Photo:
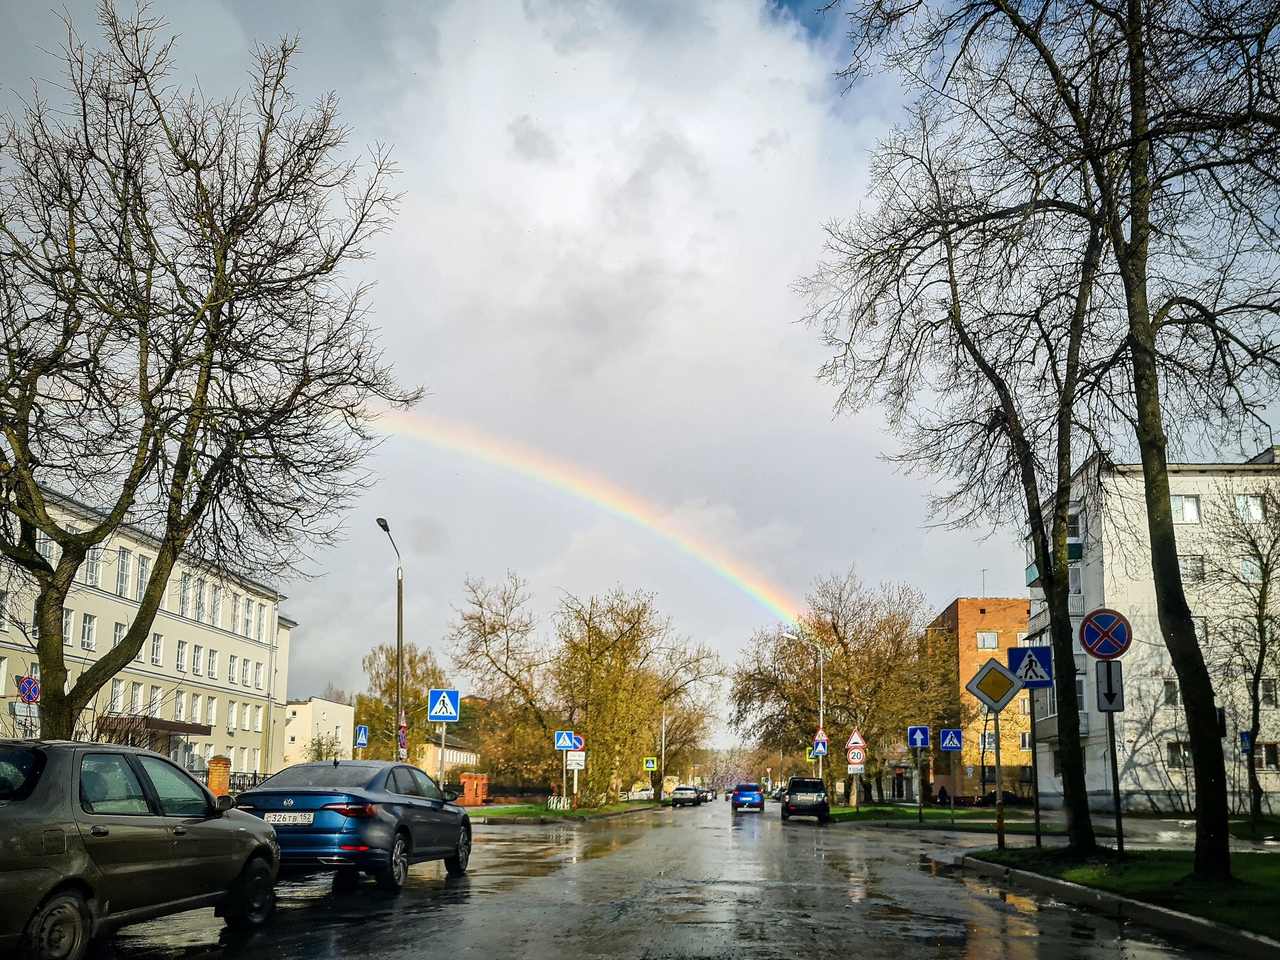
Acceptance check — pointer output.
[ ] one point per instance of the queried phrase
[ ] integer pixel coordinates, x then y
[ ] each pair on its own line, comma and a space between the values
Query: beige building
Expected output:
459, 757
210, 680
1109, 550
327, 724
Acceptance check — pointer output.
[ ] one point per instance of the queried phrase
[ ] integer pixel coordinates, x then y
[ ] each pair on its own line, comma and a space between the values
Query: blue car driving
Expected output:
361, 816
747, 795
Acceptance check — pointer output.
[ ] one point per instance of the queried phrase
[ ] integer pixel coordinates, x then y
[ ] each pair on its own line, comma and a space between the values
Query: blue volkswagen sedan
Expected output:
361, 816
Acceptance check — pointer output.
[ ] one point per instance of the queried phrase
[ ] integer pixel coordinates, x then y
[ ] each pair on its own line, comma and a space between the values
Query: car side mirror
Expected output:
224, 803
450, 796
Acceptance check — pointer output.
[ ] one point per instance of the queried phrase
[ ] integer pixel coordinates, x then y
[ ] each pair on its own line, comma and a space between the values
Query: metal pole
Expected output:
923, 786
999, 789
822, 689
662, 774
1035, 764
443, 727
1115, 781
399, 718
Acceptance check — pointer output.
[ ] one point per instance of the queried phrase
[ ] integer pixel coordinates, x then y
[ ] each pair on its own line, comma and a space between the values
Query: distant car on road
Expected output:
1010, 799
685, 796
645, 793
806, 797
704, 793
95, 836
361, 816
747, 795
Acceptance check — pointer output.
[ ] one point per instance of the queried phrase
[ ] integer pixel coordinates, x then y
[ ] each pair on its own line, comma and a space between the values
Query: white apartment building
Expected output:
1109, 550
331, 725
209, 682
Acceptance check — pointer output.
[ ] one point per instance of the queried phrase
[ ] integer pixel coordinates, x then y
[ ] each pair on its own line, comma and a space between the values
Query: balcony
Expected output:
1040, 620
1075, 551
1047, 727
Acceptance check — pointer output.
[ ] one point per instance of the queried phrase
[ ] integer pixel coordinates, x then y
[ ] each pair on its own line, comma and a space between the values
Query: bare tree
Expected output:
1242, 571
179, 350
1164, 113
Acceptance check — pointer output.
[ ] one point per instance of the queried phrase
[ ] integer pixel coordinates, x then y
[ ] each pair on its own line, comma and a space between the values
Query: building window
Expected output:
184, 595
88, 632
157, 650
44, 546
212, 672
180, 707
117, 635
1250, 570
124, 559
215, 605
1024, 741
117, 696
988, 640
987, 741
66, 626
1075, 581
257, 675
262, 621
1172, 694
293, 739
1186, 508
135, 698
4, 611
197, 660
35, 624
195, 708
232, 662
248, 617
1267, 756
1249, 508
244, 759
1202, 629
93, 567
200, 608
181, 664
137, 657
257, 719
257, 759
235, 611
244, 716
1075, 525
1191, 568
144, 577
244, 672
1267, 693
1022, 639
231, 714
156, 697
1178, 753
211, 711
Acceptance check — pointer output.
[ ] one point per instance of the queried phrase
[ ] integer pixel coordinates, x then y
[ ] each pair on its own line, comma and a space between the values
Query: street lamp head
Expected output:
383, 524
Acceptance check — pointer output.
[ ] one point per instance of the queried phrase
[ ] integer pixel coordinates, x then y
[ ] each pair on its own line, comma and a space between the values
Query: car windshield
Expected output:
813, 786
19, 770
320, 775
747, 788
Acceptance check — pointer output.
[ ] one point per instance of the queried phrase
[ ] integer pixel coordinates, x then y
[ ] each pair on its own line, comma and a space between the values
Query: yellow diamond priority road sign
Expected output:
994, 684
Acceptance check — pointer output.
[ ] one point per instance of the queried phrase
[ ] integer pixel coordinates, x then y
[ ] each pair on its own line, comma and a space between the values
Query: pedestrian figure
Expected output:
942, 796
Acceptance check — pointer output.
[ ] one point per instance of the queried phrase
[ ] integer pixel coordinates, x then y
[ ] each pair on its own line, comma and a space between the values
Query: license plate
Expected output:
806, 798
288, 818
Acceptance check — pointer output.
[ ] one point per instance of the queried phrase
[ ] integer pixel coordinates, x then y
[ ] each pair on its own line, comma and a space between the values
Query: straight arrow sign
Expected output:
1110, 676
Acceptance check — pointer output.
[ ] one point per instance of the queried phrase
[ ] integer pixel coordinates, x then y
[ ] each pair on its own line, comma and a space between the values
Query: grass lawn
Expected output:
540, 810
1243, 830
1162, 877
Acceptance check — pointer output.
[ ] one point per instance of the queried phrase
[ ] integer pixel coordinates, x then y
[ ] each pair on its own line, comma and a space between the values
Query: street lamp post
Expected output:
822, 659
401, 752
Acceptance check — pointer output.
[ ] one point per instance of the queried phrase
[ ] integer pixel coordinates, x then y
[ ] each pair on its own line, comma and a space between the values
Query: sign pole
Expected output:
920, 792
564, 777
1115, 779
999, 790
1035, 764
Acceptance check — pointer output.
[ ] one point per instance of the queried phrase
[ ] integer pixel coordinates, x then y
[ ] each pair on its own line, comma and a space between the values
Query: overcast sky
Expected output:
605, 206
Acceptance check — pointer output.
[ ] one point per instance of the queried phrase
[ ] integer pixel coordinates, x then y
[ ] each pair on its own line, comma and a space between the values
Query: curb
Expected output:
533, 821
1240, 942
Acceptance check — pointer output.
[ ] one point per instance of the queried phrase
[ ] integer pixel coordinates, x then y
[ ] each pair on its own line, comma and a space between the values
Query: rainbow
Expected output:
591, 488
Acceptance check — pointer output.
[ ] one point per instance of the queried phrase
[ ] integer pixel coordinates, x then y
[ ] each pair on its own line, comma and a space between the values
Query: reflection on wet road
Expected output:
676, 883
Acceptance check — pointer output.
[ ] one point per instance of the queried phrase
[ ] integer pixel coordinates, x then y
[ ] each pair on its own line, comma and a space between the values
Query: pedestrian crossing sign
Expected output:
949, 739
820, 748
1032, 665
564, 739
651, 763
809, 755
443, 706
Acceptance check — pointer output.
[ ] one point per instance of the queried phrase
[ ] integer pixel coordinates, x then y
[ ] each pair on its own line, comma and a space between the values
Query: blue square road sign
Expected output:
917, 737
362, 736
442, 706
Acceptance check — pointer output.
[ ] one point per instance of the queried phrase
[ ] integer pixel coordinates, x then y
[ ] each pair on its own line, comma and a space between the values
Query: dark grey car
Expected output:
94, 836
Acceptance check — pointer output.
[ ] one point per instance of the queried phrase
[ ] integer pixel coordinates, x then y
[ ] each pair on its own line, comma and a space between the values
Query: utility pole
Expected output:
662, 773
401, 728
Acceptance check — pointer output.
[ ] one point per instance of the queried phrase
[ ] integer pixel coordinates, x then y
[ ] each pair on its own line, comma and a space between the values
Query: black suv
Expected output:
94, 836
806, 797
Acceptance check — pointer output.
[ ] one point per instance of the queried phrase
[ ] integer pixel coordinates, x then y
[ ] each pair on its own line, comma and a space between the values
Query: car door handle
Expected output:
98, 831
179, 831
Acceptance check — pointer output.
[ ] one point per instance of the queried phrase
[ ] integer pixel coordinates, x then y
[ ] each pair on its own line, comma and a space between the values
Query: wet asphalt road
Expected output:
697, 882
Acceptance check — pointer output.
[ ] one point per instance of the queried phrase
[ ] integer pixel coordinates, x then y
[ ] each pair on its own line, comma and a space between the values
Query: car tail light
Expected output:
361, 811
354, 849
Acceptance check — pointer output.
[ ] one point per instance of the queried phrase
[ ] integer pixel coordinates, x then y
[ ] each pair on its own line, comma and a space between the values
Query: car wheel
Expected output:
735, 808
457, 864
59, 929
396, 872
785, 816
252, 896
346, 880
